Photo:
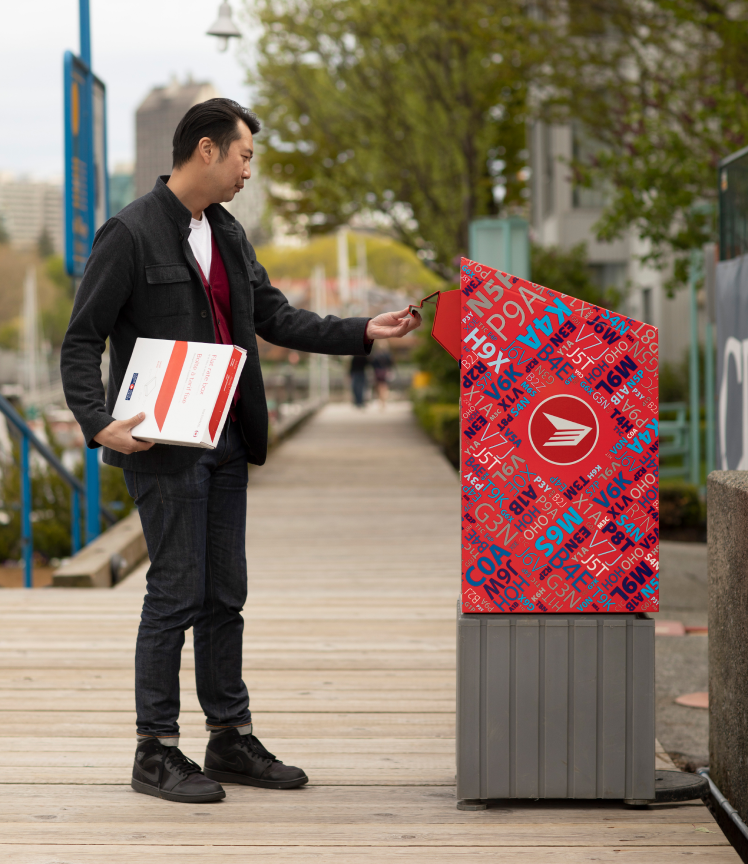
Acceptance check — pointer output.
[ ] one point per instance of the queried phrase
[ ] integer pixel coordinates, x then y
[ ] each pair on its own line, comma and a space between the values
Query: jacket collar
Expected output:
219, 216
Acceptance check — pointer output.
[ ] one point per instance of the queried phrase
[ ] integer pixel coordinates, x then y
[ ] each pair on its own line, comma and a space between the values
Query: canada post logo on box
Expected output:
131, 387
560, 441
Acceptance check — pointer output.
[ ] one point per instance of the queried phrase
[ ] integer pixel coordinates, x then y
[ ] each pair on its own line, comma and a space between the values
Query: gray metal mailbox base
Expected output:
555, 706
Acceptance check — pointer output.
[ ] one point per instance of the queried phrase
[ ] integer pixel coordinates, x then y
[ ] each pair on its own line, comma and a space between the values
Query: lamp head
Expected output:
224, 27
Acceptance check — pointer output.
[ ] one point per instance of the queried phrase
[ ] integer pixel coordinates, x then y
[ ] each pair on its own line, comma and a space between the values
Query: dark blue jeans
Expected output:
194, 523
358, 382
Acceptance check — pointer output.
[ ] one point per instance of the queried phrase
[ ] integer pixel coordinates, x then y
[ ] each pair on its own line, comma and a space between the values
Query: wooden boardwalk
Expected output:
349, 656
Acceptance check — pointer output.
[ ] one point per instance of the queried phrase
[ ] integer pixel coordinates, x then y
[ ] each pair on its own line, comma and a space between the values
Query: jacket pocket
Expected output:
168, 282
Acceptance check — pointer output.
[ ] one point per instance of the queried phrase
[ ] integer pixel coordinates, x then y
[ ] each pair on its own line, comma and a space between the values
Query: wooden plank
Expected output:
115, 724
304, 744
129, 854
424, 680
266, 659
320, 805
75, 776
254, 833
325, 701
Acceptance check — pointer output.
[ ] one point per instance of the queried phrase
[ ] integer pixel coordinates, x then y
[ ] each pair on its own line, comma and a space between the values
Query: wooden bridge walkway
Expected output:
349, 656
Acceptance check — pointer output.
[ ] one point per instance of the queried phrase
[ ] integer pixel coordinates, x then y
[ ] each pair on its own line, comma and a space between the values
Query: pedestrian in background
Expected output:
382, 363
358, 379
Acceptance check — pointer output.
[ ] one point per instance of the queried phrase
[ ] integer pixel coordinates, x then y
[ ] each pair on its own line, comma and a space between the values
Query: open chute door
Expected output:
446, 329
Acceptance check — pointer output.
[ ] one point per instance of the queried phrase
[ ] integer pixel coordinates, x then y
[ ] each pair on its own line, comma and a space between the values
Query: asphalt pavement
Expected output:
682, 661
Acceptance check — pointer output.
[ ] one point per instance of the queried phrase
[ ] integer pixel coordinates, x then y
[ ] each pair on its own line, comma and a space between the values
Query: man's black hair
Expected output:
216, 119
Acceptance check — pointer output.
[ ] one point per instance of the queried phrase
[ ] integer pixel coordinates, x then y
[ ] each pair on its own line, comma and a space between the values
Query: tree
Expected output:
45, 246
567, 271
662, 86
409, 113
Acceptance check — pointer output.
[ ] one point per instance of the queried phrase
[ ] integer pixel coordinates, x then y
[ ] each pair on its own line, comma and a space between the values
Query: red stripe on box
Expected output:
228, 380
169, 384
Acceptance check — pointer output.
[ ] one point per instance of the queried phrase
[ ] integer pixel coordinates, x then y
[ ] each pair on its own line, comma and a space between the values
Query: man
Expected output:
176, 265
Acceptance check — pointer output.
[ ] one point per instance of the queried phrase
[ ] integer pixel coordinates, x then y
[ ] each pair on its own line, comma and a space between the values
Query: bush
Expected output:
441, 422
567, 271
682, 515
51, 505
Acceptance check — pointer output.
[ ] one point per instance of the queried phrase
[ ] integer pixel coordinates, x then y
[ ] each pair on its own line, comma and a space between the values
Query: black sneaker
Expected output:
234, 758
166, 772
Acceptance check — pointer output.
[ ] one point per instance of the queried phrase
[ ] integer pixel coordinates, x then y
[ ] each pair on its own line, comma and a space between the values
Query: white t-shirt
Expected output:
200, 237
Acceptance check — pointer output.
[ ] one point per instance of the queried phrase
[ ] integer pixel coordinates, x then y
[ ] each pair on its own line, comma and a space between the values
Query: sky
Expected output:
135, 45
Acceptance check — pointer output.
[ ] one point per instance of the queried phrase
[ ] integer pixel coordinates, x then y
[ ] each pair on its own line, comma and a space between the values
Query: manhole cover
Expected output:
679, 786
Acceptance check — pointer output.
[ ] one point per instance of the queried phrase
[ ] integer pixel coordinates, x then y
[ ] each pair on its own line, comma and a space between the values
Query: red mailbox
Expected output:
559, 443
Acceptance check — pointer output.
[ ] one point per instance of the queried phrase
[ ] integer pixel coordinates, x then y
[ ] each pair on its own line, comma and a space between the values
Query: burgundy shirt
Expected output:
219, 294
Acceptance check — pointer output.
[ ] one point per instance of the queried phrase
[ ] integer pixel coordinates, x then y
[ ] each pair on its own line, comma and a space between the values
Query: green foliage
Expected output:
113, 491
662, 87
680, 506
51, 506
4, 236
56, 315
10, 337
675, 378
673, 382
389, 263
441, 422
54, 268
413, 112
436, 405
567, 271
44, 246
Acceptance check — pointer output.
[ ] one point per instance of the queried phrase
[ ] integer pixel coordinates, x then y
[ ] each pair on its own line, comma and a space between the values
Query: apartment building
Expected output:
564, 214
28, 209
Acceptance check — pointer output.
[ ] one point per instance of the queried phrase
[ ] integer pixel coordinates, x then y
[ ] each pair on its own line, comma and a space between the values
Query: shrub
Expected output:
681, 509
441, 422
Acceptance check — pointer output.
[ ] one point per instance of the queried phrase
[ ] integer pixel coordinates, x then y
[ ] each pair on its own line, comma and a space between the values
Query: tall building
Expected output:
564, 214
155, 121
249, 207
121, 187
29, 209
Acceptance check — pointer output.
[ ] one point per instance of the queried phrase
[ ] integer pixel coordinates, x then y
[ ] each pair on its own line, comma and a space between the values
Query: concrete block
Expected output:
727, 541
92, 566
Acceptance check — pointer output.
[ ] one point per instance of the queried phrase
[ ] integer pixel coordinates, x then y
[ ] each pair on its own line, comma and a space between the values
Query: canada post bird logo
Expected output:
563, 429
568, 434
131, 387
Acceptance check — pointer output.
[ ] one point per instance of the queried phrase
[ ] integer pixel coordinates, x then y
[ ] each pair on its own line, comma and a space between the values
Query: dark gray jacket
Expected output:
142, 280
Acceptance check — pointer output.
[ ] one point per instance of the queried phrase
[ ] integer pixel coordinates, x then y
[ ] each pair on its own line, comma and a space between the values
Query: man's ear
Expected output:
205, 149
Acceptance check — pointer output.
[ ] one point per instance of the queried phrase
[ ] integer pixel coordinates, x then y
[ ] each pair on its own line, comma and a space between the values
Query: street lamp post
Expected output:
223, 27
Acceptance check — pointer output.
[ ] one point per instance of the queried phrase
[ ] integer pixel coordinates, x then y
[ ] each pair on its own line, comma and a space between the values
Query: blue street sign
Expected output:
86, 176
86, 194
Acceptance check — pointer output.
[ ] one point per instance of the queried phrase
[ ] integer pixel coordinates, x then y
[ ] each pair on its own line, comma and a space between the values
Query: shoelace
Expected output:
179, 763
253, 746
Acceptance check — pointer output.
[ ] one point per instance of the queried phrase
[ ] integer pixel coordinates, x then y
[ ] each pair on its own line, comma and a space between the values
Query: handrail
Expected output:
78, 489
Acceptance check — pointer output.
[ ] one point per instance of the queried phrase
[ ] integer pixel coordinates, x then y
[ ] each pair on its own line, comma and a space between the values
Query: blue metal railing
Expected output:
78, 490
674, 439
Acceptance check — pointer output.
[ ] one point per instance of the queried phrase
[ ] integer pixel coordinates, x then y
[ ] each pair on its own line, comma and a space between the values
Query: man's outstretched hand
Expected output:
118, 436
392, 325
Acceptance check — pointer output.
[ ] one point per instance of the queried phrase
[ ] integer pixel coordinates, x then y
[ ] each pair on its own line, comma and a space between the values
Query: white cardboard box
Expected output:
185, 390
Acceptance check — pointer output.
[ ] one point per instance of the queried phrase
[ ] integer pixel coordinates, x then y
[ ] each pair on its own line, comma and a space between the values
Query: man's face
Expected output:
228, 174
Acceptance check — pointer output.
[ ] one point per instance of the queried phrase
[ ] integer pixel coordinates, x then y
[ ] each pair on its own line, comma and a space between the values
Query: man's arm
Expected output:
106, 286
280, 323
299, 329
